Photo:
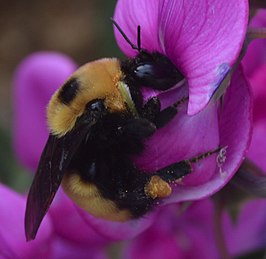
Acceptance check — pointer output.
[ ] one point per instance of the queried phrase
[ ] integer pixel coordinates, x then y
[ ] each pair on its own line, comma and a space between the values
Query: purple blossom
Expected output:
35, 80
199, 38
202, 38
254, 64
256, 54
51, 243
258, 143
191, 233
12, 237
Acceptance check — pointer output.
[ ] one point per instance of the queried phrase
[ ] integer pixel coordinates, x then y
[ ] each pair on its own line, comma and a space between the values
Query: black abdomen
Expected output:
104, 160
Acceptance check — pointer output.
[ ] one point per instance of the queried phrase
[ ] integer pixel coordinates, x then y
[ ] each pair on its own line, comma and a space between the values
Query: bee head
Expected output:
100, 79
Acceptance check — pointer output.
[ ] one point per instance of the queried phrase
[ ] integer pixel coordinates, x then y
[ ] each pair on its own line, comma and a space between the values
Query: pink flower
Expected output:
50, 243
203, 39
254, 64
192, 233
176, 234
256, 54
257, 148
33, 88
12, 236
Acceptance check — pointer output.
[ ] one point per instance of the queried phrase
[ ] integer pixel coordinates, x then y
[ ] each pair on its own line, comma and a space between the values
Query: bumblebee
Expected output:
97, 121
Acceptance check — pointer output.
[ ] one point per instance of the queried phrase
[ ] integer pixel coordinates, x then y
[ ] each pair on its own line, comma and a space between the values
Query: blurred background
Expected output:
81, 29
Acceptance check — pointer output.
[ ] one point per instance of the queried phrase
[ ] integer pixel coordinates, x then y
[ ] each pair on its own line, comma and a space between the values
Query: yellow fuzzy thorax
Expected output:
97, 80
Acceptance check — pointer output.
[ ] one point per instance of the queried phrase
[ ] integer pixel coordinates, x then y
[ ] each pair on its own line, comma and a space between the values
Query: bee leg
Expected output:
175, 171
151, 109
158, 185
168, 113
180, 169
138, 128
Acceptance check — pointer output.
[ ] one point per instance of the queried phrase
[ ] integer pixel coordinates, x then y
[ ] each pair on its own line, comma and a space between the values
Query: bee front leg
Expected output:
168, 113
152, 111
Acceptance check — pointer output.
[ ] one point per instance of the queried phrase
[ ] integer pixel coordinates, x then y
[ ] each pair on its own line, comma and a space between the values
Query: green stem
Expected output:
257, 3
218, 230
256, 33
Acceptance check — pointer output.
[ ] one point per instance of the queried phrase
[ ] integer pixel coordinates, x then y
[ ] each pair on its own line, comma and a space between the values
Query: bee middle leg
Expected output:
180, 169
158, 185
152, 111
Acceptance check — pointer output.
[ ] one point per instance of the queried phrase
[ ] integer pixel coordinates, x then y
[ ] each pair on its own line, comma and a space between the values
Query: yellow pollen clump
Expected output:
158, 188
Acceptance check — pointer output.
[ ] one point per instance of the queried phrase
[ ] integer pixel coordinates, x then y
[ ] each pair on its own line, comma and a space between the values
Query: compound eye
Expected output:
158, 73
96, 105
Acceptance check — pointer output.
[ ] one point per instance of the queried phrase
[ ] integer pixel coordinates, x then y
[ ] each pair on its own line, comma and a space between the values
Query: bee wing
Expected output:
55, 159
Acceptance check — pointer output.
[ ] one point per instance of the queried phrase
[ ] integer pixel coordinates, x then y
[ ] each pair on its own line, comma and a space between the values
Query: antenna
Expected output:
133, 46
139, 41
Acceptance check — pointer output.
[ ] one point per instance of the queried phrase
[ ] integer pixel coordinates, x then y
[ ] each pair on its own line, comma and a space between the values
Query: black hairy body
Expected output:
104, 160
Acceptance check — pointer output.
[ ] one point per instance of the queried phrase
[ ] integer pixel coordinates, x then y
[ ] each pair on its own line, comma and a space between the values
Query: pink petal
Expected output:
248, 232
257, 148
35, 80
204, 38
82, 228
12, 235
235, 134
257, 151
73, 228
177, 234
256, 53
258, 83
131, 13
173, 142
115, 231
63, 249
154, 244
189, 233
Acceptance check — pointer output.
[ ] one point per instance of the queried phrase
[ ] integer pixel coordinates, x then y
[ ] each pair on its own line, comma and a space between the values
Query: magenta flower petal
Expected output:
115, 231
191, 233
12, 235
257, 148
258, 82
256, 53
36, 79
73, 228
257, 151
63, 249
173, 142
203, 38
230, 128
248, 232
131, 13
154, 244
177, 235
